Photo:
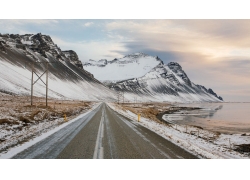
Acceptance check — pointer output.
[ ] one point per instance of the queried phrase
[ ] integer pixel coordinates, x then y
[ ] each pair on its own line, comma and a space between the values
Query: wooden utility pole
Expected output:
47, 73
39, 77
123, 97
118, 94
32, 69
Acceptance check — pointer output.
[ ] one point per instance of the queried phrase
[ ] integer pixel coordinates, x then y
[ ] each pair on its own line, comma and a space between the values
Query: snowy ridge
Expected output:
130, 66
164, 83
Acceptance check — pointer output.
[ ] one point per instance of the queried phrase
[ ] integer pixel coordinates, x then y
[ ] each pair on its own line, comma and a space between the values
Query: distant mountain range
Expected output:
137, 76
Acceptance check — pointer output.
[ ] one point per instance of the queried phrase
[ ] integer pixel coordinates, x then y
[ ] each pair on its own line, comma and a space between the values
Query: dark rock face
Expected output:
213, 93
103, 61
220, 98
21, 46
176, 68
100, 63
73, 57
159, 60
210, 91
114, 60
2, 48
136, 55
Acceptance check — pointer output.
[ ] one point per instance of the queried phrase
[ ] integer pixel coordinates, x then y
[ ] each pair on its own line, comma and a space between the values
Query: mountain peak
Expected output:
174, 64
177, 69
100, 63
38, 43
136, 55
130, 66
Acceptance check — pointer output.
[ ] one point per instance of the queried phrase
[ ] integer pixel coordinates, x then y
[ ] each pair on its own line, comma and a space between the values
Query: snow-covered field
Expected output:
203, 143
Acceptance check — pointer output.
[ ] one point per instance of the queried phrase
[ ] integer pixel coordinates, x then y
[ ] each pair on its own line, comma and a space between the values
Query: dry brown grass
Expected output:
19, 121
17, 109
3, 121
147, 110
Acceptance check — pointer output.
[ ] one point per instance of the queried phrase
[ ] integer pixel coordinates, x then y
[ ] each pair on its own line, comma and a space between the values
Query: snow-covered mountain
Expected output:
67, 78
145, 78
130, 66
165, 83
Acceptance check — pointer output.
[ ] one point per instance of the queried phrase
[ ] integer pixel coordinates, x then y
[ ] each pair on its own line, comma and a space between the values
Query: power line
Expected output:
39, 78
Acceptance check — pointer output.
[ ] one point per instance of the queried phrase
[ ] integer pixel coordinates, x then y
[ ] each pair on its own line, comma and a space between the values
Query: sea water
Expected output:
220, 117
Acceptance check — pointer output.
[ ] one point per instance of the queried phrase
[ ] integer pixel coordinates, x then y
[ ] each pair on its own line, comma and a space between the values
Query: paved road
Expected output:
106, 134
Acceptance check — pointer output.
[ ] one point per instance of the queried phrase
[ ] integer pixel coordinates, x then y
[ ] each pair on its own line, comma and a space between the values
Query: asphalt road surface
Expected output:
104, 134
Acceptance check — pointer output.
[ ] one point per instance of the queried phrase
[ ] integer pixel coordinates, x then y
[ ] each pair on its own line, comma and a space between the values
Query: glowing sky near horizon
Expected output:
213, 53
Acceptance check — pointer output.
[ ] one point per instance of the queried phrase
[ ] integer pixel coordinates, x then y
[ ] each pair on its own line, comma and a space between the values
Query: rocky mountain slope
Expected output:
150, 80
167, 83
67, 78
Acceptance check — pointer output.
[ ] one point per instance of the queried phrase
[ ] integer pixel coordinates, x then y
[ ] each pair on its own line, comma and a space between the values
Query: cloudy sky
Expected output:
213, 53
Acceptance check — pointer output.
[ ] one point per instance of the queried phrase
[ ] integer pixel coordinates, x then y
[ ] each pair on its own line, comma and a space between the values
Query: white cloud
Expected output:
88, 24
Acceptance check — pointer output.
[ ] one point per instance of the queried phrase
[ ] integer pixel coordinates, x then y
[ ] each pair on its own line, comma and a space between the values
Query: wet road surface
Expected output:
106, 134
